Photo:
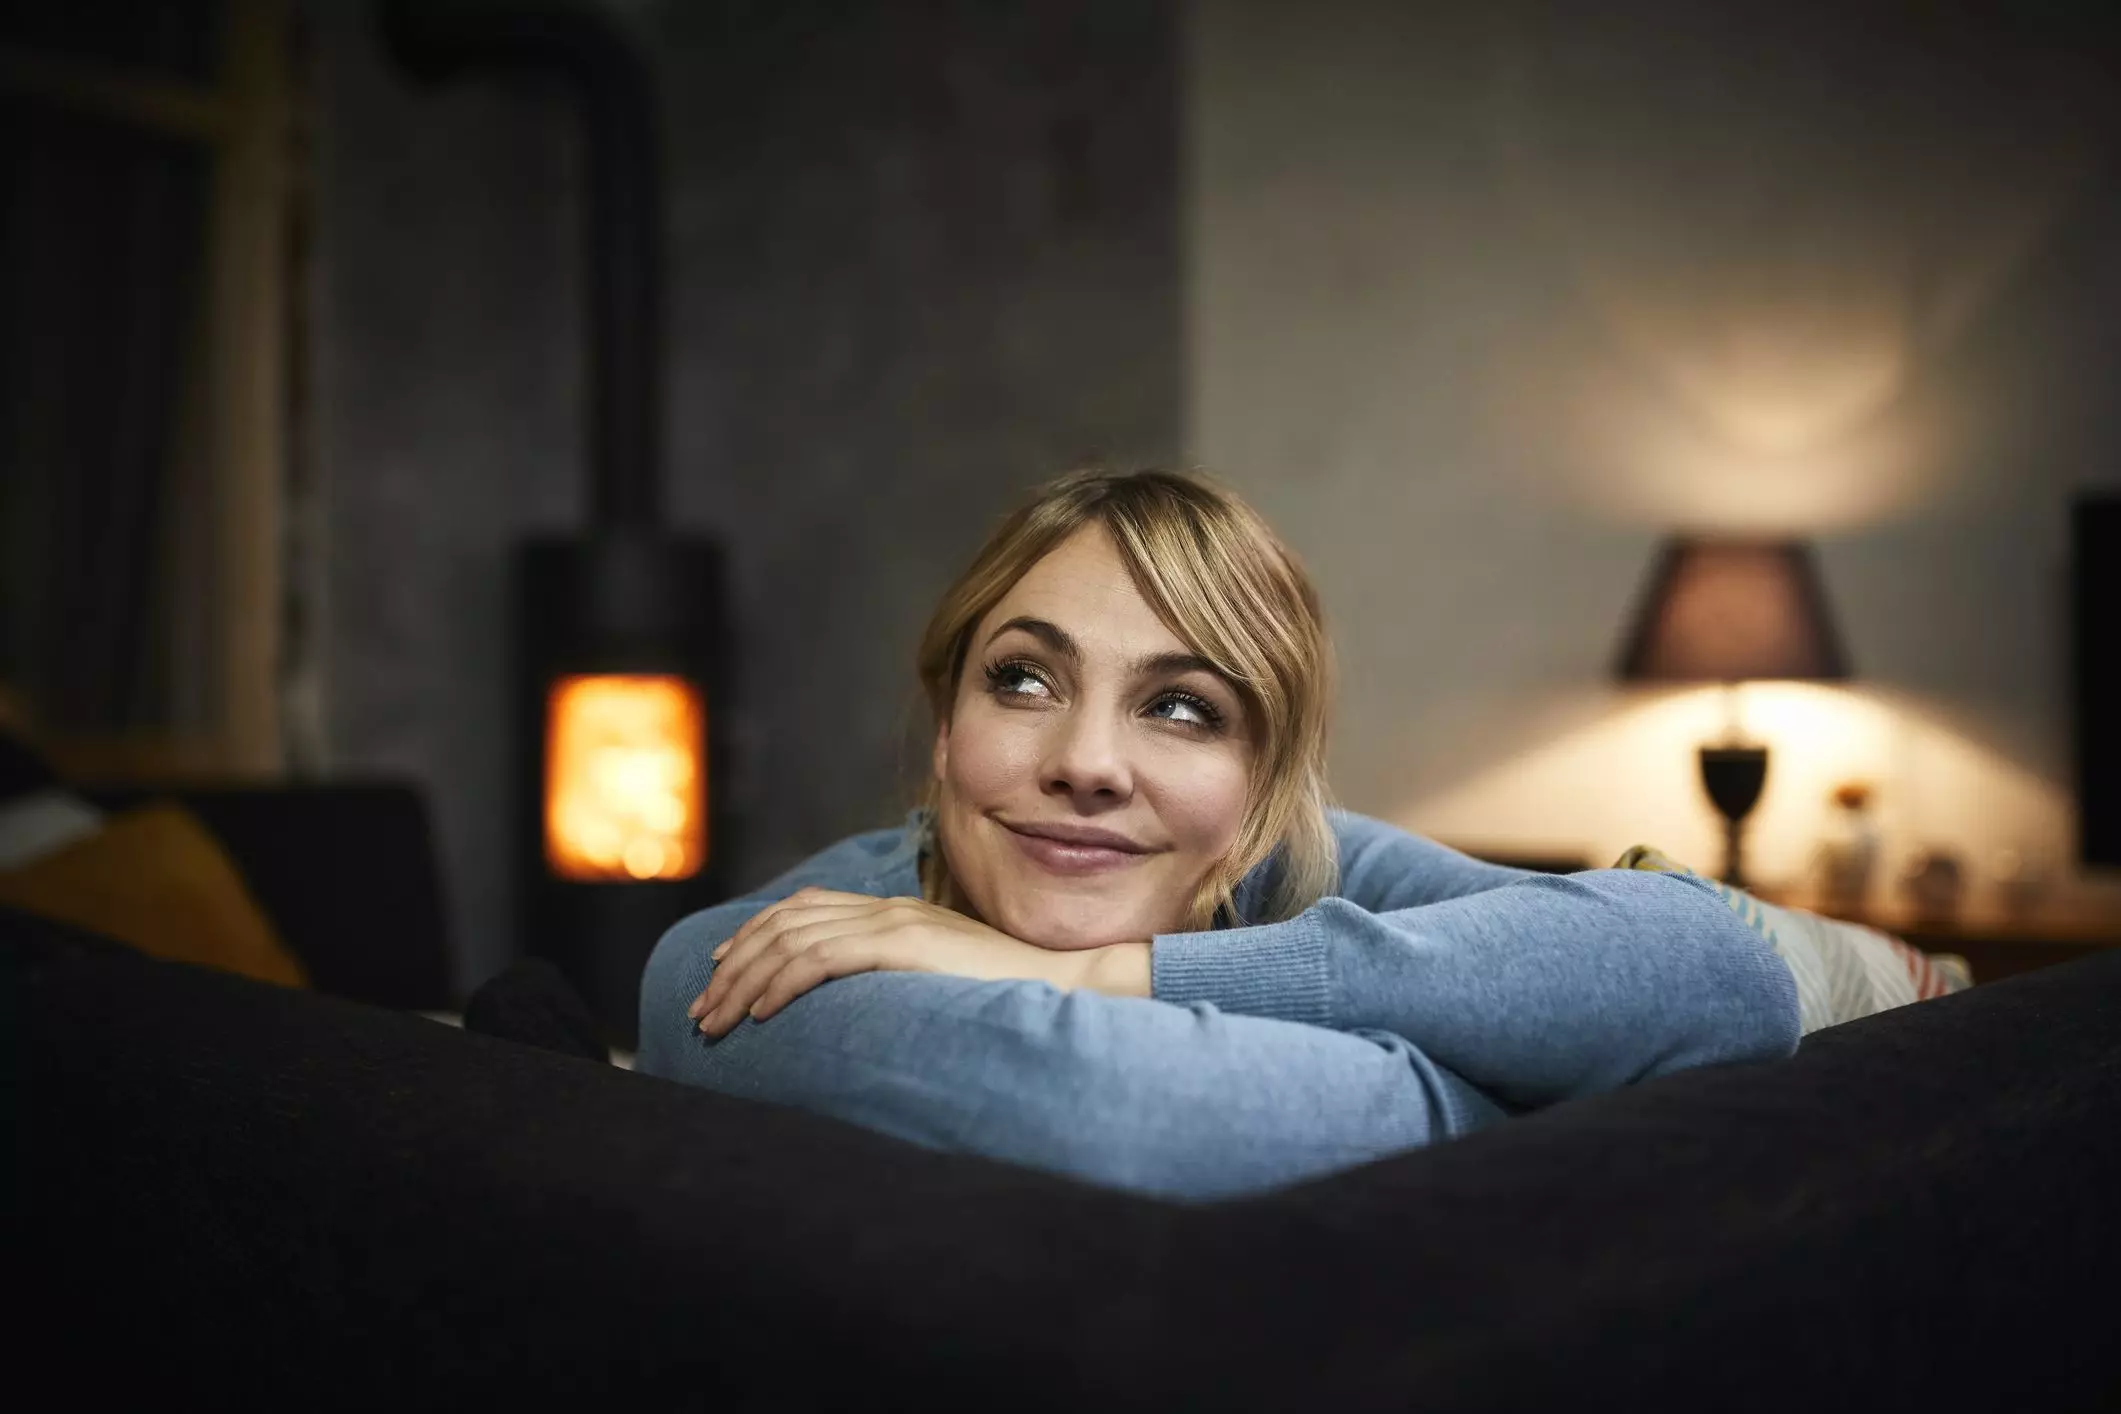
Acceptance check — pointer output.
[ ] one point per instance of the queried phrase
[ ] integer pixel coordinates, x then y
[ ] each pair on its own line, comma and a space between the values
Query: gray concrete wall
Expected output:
1484, 298
919, 258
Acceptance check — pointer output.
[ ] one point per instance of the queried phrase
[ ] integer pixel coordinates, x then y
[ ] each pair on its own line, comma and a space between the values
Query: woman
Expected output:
1125, 939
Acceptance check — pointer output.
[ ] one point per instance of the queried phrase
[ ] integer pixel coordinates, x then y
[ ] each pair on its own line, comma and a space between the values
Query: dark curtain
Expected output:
102, 254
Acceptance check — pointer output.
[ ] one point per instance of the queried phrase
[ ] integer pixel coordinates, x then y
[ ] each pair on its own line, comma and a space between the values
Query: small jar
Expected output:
2021, 880
1847, 855
1933, 882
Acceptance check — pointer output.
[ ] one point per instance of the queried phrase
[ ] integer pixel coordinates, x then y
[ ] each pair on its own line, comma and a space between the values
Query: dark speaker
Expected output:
2095, 630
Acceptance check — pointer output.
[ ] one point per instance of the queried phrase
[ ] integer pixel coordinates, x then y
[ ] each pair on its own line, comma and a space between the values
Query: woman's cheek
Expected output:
992, 758
1204, 805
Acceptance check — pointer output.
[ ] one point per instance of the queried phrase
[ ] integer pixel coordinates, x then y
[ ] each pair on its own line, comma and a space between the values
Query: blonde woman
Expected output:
1124, 937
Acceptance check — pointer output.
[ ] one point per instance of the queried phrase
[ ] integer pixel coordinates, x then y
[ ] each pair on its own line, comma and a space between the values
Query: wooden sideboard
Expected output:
1994, 944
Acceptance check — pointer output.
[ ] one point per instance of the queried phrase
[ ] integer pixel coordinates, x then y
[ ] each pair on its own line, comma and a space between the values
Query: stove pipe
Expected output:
614, 93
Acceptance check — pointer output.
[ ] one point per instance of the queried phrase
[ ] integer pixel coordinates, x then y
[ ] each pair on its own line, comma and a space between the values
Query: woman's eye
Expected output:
1016, 680
1190, 710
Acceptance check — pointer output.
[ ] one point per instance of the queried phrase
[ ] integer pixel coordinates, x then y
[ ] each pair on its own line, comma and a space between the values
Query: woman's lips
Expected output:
1061, 857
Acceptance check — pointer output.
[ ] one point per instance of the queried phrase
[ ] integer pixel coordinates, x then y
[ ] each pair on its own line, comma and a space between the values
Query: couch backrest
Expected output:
261, 1198
345, 870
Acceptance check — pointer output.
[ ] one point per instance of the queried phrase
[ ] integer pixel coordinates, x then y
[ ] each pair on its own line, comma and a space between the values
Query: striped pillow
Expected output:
1843, 970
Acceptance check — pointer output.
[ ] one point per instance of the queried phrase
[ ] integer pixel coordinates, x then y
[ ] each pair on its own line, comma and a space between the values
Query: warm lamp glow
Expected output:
1611, 779
625, 781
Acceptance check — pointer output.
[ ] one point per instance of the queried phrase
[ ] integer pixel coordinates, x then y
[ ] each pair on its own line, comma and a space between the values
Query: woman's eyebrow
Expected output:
1172, 664
1150, 665
1050, 634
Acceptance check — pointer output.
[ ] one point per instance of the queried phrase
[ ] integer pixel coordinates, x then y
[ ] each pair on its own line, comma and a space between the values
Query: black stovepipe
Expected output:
615, 94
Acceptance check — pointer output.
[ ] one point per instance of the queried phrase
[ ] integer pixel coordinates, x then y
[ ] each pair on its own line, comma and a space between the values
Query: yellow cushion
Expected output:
155, 878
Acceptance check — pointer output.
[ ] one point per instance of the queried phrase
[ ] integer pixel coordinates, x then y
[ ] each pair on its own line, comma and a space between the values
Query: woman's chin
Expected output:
1075, 929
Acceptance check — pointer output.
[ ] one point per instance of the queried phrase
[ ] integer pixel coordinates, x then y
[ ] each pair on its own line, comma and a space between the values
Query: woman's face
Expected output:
1093, 768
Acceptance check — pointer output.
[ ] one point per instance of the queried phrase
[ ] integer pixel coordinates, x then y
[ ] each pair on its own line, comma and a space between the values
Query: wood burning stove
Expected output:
620, 633
619, 639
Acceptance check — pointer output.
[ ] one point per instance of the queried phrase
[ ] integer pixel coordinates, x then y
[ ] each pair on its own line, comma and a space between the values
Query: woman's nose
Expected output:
1087, 757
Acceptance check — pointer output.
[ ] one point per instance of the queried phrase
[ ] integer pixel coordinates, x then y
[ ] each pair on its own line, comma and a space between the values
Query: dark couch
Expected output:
230, 1193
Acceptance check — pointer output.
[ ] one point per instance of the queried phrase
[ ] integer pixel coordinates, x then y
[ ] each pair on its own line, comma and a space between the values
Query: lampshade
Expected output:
1731, 610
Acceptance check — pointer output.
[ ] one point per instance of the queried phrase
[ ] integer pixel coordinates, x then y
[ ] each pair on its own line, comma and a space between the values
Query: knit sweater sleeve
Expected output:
1179, 1101
1537, 990
1383, 867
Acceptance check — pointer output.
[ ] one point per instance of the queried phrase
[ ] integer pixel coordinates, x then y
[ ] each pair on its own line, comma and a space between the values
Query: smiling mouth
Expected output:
1069, 850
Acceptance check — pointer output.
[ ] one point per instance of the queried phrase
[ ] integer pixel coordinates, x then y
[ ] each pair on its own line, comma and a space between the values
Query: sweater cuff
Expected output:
1274, 969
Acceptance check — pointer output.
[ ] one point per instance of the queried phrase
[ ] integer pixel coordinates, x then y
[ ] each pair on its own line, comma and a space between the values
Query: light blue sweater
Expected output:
1432, 995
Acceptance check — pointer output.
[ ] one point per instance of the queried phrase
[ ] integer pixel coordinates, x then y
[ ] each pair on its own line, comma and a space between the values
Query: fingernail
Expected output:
694, 1010
754, 1012
716, 955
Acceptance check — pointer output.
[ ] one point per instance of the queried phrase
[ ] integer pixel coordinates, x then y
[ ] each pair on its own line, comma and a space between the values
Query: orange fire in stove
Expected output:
625, 778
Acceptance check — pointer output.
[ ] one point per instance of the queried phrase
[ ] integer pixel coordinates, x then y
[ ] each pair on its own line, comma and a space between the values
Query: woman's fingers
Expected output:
760, 946
760, 931
855, 942
764, 918
799, 901
825, 951
798, 959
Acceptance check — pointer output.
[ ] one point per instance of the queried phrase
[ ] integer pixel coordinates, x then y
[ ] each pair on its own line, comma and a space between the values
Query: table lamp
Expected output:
1732, 611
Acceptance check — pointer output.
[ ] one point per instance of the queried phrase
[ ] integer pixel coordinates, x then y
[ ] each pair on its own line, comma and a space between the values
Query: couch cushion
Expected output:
155, 879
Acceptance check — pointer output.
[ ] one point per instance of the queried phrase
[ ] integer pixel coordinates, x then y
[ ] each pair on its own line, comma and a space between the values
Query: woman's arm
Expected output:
1537, 991
1178, 1101
1383, 868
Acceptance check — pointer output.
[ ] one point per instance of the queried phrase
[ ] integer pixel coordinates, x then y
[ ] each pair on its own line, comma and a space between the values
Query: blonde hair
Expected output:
1223, 582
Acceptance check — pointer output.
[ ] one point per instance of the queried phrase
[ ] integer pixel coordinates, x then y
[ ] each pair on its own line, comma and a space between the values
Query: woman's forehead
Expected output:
1083, 587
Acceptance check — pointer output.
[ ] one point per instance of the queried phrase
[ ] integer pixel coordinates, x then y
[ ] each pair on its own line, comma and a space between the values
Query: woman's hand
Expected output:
816, 934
